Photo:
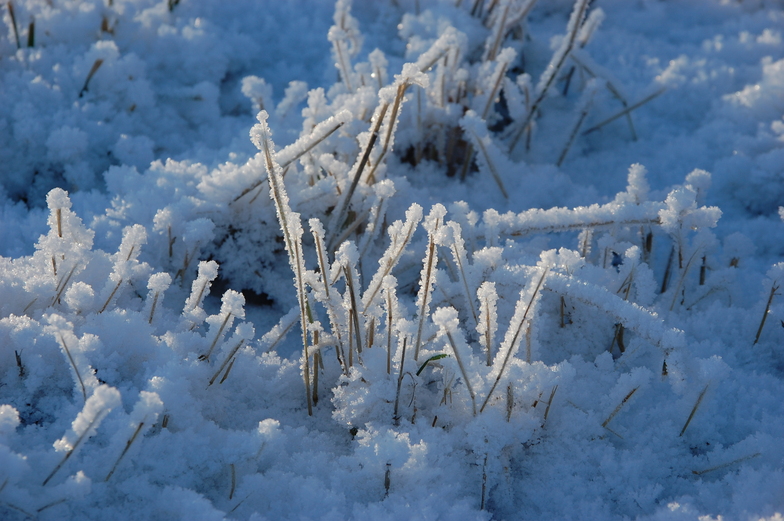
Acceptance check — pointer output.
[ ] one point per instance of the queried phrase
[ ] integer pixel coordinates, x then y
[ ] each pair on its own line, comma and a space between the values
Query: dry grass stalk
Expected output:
96, 65
462, 370
62, 285
233, 470
606, 422
625, 111
425, 284
490, 164
125, 450
580, 119
693, 409
73, 364
518, 330
355, 312
217, 337
724, 465
11, 13
111, 296
342, 208
549, 404
98, 416
395, 415
581, 6
293, 245
773, 289
152, 308
510, 401
229, 358
667, 271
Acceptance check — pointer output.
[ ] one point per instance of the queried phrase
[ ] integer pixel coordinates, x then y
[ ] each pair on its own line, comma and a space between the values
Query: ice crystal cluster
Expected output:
472, 259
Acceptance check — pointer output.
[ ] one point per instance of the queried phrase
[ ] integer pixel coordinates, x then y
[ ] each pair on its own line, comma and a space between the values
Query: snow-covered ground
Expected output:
401, 259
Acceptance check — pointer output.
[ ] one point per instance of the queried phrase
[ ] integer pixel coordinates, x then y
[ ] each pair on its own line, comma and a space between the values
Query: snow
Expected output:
541, 280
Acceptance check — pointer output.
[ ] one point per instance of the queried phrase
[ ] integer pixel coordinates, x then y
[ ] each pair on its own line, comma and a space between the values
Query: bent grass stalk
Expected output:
462, 370
625, 111
229, 358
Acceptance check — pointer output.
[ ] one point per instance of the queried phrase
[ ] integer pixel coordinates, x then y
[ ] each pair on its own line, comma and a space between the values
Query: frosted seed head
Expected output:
638, 184
57, 199
446, 318
245, 331
159, 282
233, 302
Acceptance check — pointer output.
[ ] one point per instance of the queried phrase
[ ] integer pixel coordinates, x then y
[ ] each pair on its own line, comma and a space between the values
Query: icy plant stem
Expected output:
111, 296
226, 362
340, 211
73, 364
580, 119
426, 281
462, 370
125, 450
395, 415
13, 23
293, 244
96, 419
548, 77
694, 410
486, 325
773, 289
490, 164
606, 422
725, 465
96, 65
217, 337
354, 310
398, 244
625, 111
461, 260
515, 339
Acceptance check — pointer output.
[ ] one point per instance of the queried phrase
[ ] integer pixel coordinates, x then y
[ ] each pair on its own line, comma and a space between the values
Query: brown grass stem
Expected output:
98, 416
694, 410
625, 111
73, 364
626, 398
773, 289
125, 450
96, 65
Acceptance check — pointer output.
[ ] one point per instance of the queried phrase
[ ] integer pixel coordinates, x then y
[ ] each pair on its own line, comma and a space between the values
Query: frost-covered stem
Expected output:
73, 364
400, 235
292, 241
125, 450
229, 358
426, 281
390, 318
96, 65
152, 308
342, 208
338, 38
62, 285
487, 325
217, 337
498, 34
625, 111
395, 415
549, 75
461, 260
96, 419
773, 289
354, 309
586, 107
111, 296
514, 340
401, 92
490, 164
679, 285
724, 465
606, 422
694, 410
462, 368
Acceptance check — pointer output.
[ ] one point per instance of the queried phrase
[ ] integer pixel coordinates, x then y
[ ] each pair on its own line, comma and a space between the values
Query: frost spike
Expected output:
292, 233
427, 277
510, 342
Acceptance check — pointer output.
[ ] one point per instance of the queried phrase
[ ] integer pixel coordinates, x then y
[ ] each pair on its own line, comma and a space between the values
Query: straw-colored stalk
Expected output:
96, 65
617, 409
98, 416
228, 359
73, 364
425, 284
462, 370
694, 410
125, 450
518, 331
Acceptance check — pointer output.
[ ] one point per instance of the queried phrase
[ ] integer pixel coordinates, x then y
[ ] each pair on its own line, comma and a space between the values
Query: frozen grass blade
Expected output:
447, 321
625, 111
512, 341
694, 410
73, 365
96, 65
395, 415
551, 73
427, 278
617, 409
125, 450
773, 289
292, 235
725, 465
